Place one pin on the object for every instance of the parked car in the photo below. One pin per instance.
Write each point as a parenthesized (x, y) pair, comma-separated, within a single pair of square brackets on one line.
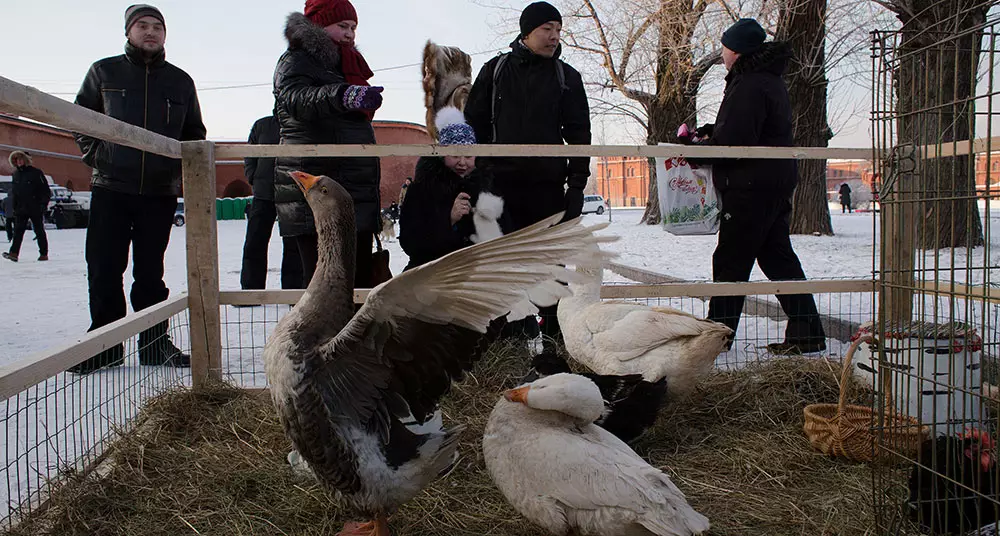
[(179, 213), (64, 210), (593, 204)]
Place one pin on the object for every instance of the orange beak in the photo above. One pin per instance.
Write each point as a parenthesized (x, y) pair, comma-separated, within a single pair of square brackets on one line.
[(304, 180), (519, 395)]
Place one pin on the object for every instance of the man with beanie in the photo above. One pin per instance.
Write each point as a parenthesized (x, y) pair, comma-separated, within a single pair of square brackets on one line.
[(530, 96), (134, 193), (260, 220), (756, 194)]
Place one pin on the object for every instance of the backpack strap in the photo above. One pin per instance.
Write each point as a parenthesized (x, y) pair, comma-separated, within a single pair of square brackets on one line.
[(501, 61)]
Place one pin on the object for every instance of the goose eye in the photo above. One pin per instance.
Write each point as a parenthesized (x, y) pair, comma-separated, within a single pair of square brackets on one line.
[(324, 190)]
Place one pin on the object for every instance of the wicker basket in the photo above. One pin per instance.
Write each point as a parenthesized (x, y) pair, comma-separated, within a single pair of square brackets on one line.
[(846, 430)]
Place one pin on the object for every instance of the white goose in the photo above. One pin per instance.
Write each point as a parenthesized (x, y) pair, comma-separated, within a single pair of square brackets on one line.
[(342, 381), (611, 337), (570, 476)]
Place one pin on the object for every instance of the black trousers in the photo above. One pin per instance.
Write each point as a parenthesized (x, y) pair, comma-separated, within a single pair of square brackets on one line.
[(119, 221), (309, 253), (755, 228), (260, 224), (21, 226)]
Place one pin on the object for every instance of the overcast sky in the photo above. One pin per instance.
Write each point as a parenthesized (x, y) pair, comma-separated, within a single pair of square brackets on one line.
[(50, 44)]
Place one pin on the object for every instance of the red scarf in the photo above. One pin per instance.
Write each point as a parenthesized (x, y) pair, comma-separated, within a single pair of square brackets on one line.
[(356, 70)]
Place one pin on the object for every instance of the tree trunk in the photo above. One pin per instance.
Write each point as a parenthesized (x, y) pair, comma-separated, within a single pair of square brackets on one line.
[(677, 80), (936, 81), (803, 25)]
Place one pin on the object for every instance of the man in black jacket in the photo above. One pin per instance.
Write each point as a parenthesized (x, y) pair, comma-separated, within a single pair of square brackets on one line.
[(29, 199), (260, 220), (530, 96), (134, 192), (756, 194)]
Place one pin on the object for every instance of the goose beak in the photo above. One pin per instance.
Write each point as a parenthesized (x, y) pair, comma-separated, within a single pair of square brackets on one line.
[(304, 180), (519, 395)]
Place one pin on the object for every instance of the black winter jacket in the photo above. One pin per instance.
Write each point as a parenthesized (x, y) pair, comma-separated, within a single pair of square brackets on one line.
[(29, 192), (260, 171), (158, 97), (308, 86), (425, 229), (755, 112), (532, 108)]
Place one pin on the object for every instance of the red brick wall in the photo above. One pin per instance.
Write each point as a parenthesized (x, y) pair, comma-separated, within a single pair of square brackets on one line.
[(623, 181)]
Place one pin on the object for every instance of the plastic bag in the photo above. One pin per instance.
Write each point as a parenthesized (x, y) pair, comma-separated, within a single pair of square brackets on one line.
[(689, 203)]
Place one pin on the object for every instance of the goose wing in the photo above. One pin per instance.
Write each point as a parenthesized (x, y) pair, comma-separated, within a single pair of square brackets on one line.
[(632, 329), (421, 330)]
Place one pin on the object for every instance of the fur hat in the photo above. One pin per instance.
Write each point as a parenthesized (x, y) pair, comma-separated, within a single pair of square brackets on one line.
[(18, 154), (138, 11), (744, 36), (447, 81), (326, 12), (536, 15), (452, 128)]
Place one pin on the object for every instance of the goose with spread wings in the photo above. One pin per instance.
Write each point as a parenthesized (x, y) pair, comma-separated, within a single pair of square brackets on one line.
[(341, 382)]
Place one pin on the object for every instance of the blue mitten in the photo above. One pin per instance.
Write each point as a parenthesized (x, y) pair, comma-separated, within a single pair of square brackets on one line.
[(363, 97)]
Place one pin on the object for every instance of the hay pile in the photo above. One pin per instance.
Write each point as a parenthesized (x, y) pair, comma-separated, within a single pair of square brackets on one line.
[(213, 462)]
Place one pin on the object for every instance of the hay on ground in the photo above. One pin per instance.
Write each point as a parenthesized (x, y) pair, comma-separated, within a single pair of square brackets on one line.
[(213, 462)]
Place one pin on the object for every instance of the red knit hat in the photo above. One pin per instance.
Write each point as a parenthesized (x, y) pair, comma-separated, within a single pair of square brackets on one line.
[(326, 12)]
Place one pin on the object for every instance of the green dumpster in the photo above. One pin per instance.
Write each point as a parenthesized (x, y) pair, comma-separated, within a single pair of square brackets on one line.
[(218, 208)]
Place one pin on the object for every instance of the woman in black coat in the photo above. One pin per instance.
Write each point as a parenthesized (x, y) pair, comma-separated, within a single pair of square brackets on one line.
[(322, 97), (450, 204)]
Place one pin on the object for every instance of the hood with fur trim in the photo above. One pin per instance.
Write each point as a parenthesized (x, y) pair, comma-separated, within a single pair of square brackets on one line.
[(16, 154), (302, 34)]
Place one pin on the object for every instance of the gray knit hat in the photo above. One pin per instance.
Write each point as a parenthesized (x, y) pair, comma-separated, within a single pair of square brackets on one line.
[(138, 11)]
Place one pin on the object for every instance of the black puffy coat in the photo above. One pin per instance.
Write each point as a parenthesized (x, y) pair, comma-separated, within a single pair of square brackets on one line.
[(308, 86), (755, 112), (260, 171), (29, 192), (425, 229), (532, 108), (157, 96)]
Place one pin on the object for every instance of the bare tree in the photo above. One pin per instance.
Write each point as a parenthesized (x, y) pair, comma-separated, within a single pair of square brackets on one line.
[(938, 56)]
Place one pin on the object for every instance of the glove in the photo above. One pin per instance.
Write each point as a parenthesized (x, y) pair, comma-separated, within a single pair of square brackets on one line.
[(574, 203), (363, 97), (684, 134), (705, 131)]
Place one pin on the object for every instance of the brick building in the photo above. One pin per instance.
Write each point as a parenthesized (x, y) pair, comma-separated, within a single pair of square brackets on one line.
[(623, 181), (55, 152)]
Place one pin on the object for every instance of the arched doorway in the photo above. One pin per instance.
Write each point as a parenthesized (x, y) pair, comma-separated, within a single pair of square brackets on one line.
[(238, 188)]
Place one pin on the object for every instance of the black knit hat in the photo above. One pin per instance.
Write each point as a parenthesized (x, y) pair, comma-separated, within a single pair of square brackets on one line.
[(138, 11), (536, 15), (744, 37)]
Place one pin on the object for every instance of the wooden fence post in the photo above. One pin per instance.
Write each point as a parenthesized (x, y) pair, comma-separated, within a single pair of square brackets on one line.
[(202, 260)]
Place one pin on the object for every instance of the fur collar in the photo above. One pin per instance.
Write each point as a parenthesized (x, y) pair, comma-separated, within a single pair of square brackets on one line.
[(303, 35), (771, 57)]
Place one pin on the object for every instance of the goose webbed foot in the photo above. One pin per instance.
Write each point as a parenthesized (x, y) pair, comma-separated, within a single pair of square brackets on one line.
[(377, 527)]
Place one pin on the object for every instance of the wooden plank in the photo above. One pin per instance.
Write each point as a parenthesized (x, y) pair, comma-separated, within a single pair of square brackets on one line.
[(23, 373), (232, 152), (754, 288), (25, 101), (977, 146), (965, 292), (274, 297), (202, 260)]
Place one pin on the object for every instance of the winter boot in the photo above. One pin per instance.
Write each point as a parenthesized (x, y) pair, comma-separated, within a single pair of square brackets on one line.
[(10, 256), (112, 357), (43, 257), (156, 348)]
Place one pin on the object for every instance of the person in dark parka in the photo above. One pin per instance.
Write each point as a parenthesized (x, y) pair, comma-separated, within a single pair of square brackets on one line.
[(530, 96), (845, 199), (437, 217), (756, 194), (262, 214), (323, 97), (29, 199), (134, 193)]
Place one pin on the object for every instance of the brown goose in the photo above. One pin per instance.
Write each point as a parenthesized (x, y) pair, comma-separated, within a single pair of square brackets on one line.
[(341, 381)]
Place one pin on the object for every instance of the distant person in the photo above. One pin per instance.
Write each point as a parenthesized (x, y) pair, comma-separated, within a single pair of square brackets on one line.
[(404, 188), (323, 97), (845, 199), (29, 198), (134, 193), (756, 194), (261, 216), (530, 96)]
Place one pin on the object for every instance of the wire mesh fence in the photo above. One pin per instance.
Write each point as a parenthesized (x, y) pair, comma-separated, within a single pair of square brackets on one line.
[(935, 346), (63, 426)]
